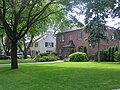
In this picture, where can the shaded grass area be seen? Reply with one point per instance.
(61, 76)
(19, 60)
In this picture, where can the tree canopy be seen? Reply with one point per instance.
(18, 16)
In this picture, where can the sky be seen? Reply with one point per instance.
(110, 21)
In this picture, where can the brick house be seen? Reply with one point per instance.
(74, 39)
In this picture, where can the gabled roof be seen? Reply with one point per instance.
(40, 37)
(70, 30)
(75, 29)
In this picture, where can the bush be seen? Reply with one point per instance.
(46, 56)
(50, 58)
(104, 55)
(54, 53)
(107, 54)
(40, 59)
(78, 57)
(60, 58)
(117, 56)
(48, 53)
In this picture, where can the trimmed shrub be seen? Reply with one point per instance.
(117, 56)
(104, 55)
(78, 57)
(50, 58)
(47, 53)
(46, 56)
(54, 53)
(107, 55)
(60, 58)
(40, 59)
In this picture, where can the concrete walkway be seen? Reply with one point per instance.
(35, 63)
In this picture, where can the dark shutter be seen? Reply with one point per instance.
(52, 44)
(46, 44)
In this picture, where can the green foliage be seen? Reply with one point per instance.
(78, 57)
(1, 49)
(60, 57)
(117, 56)
(112, 50)
(46, 56)
(107, 54)
(40, 59)
(85, 49)
(104, 54)
(50, 58)
(47, 53)
(82, 49)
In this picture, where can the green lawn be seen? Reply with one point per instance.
(19, 60)
(61, 76)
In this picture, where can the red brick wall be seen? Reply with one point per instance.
(82, 42)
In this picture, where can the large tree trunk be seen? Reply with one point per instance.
(14, 63)
(99, 50)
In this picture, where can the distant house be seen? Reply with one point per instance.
(71, 40)
(44, 43)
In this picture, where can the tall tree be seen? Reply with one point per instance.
(96, 31)
(13, 13)
(96, 12)
(95, 21)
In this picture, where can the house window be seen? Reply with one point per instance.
(113, 37)
(80, 36)
(49, 44)
(36, 44)
(71, 38)
(62, 38)
(37, 53)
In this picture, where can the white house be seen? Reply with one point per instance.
(45, 43)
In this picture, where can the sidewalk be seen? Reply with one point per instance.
(35, 63)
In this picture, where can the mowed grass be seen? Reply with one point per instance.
(61, 76)
(7, 61)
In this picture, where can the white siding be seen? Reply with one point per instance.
(41, 45)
